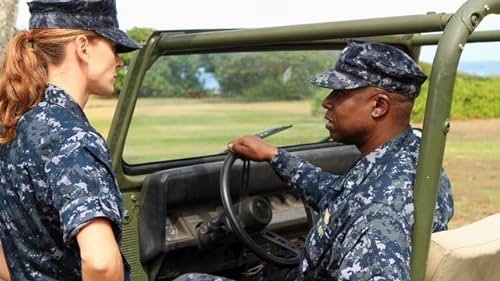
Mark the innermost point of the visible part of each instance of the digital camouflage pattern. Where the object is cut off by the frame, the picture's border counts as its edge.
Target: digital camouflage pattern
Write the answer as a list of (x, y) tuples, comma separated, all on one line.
[(365, 216), (97, 15), (362, 64), (54, 178)]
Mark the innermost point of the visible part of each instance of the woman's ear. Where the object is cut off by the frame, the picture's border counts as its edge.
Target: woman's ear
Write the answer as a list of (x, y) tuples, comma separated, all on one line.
[(381, 105), (82, 45)]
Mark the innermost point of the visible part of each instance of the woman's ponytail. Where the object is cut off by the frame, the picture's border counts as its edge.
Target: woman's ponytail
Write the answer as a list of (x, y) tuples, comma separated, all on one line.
[(23, 77), (22, 81)]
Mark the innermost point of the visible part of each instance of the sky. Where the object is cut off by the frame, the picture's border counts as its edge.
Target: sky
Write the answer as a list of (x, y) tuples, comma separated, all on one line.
[(199, 14)]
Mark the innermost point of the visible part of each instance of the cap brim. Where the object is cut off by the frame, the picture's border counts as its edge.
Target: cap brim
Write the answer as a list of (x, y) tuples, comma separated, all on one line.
[(333, 79), (123, 42)]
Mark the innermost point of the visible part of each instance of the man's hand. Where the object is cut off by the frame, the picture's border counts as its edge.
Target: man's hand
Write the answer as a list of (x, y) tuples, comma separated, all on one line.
[(253, 148)]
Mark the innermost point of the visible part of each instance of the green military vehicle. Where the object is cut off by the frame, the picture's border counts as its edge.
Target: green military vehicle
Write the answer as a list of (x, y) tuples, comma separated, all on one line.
[(169, 156)]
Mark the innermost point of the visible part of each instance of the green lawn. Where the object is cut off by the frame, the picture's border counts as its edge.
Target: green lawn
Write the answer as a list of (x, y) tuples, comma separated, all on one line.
[(174, 128), (180, 128)]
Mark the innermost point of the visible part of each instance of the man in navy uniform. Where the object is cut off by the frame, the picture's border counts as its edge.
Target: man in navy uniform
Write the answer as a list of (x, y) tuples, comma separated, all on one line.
[(366, 216)]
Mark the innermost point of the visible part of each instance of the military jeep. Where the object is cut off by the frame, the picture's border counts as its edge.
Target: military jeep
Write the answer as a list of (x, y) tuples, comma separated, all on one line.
[(190, 206)]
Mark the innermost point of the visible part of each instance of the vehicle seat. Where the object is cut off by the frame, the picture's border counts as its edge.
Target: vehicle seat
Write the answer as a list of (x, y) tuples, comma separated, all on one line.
[(468, 253)]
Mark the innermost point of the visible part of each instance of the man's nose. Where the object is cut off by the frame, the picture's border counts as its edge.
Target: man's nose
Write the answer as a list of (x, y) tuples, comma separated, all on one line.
[(327, 104)]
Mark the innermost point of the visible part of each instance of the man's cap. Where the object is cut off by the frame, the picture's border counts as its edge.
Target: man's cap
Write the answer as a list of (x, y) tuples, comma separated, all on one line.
[(96, 15), (362, 64)]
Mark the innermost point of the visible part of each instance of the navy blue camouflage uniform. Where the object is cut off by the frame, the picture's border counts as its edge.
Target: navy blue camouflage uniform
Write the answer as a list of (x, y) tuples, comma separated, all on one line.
[(55, 177), (365, 216)]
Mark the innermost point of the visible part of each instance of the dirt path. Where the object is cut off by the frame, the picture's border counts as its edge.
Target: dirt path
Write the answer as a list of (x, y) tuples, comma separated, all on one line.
[(475, 175), (475, 129)]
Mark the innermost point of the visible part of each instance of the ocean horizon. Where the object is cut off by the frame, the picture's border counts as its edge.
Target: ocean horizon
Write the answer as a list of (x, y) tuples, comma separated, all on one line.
[(481, 68)]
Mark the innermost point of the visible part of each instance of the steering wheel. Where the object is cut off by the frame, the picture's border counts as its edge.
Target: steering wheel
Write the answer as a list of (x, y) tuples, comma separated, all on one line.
[(243, 235)]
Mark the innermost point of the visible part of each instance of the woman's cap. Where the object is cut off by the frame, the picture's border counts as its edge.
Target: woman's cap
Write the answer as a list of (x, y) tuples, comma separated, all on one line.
[(96, 15)]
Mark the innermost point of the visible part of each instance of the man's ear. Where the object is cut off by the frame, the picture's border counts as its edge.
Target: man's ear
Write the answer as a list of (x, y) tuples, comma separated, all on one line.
[(381, 105), (82, 44)]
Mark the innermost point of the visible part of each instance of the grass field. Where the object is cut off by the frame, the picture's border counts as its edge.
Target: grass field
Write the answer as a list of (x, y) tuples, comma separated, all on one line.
[(472, 157), (472, 160), (178, 128)]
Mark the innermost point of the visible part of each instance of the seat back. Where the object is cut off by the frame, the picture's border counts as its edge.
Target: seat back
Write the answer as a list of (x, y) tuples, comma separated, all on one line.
[(468, 253)]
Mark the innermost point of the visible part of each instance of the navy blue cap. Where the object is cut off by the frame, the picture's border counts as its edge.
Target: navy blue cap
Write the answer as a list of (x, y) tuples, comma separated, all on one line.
[(362, 64), (96, 15)]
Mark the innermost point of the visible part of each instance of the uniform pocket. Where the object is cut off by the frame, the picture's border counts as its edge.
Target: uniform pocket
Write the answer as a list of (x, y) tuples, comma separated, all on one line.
[(348, 240), (320, 239)]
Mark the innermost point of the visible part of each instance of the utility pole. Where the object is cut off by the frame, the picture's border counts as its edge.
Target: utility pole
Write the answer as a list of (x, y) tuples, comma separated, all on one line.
[(8, 14)]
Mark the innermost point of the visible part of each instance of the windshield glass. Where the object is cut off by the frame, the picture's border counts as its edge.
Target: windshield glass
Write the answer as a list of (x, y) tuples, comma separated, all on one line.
[(192, 105)]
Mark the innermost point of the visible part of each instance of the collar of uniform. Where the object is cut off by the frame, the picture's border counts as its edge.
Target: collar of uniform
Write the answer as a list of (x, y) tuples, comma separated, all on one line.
[(56, 95), (392, 146), (364, 166)]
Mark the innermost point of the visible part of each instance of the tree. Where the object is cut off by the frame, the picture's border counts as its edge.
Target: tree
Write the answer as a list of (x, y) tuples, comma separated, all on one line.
[(272, 75), (8, 14), (250, 76), (140, 35), (175, 76)]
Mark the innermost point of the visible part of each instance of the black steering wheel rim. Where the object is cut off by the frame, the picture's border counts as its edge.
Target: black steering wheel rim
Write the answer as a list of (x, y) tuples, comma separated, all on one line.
[(233, 220)]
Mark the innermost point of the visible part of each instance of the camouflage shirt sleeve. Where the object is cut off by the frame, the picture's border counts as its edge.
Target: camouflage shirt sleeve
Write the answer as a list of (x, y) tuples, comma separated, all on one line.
[(83, 184), (376, 247), (444, 204), (310, 181)]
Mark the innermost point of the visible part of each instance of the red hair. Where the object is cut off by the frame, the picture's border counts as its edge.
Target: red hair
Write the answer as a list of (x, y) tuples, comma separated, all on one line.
[(23, 76)]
